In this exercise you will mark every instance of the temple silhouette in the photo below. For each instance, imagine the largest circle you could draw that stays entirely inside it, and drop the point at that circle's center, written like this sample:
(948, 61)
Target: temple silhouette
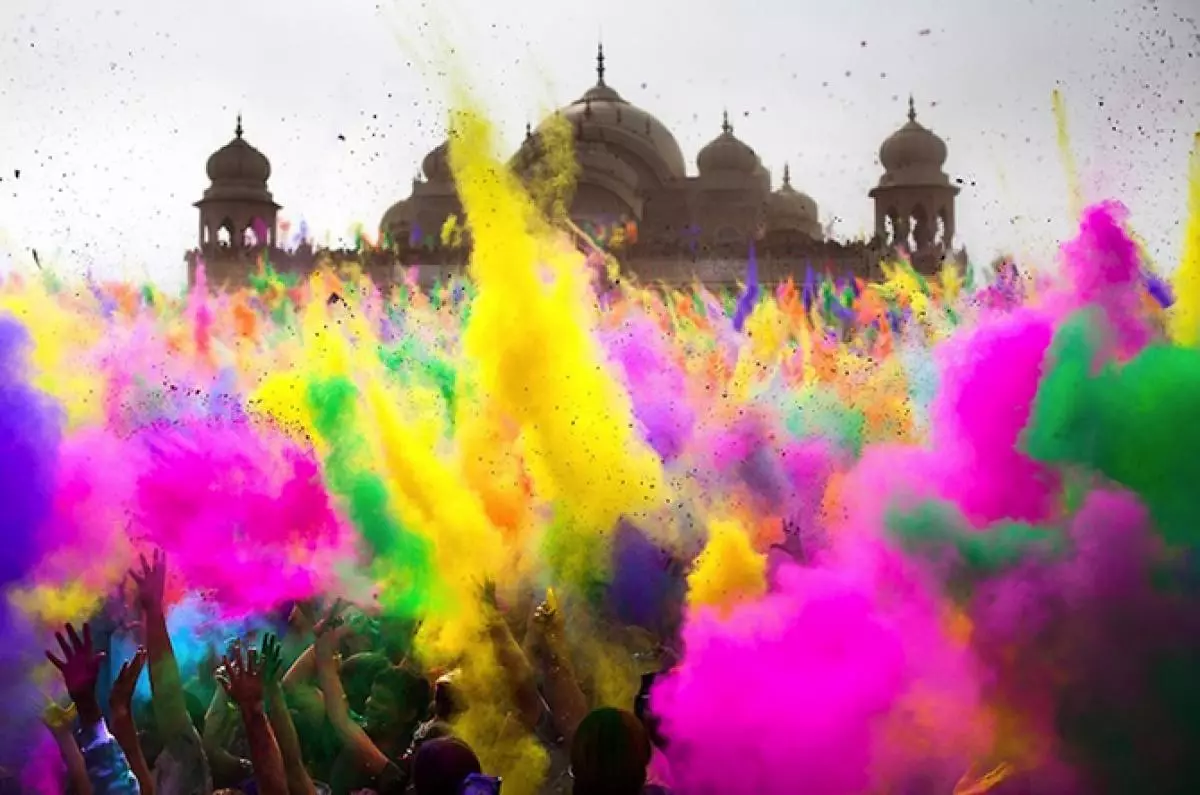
(633, 192)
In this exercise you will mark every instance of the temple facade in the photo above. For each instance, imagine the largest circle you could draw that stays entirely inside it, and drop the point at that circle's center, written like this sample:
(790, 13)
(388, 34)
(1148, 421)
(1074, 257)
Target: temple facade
(671, 226)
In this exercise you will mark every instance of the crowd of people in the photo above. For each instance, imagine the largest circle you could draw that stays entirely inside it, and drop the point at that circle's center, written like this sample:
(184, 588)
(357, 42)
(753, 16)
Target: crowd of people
(338, 716)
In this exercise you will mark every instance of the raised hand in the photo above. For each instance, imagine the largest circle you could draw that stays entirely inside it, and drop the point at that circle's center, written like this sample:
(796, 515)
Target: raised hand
(80, 664)
(332, 620)
(242, 678)
(272, 660)
(80, 668)
(120, 698)
(151, 581)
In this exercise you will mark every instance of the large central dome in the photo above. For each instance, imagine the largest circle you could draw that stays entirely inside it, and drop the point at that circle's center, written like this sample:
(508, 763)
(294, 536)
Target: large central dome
(603, 116)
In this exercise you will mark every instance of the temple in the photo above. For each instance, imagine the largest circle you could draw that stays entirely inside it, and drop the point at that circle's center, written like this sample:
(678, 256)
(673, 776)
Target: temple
(633, 194)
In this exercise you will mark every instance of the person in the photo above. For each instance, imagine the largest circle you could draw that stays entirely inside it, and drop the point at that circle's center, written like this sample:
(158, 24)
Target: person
(609, 754)
(397, 701)
(107, 768)
(242, 680)
(658, 772)
(181, 768)
(441, 766)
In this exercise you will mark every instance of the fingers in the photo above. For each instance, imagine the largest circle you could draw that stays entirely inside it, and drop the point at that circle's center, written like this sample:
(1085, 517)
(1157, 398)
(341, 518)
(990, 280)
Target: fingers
(138, 662)
(252, 668)
(76, 641)
(145, 566)
(57, 663)
(67, 651)
(87, 639)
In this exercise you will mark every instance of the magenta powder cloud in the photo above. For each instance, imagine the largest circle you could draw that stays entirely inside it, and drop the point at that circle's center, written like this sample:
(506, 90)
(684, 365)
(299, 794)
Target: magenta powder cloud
(795, 692)
(241, 512)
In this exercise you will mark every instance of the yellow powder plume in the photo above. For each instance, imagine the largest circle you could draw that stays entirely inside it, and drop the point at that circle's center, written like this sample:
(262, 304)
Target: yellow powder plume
(530, 337)
(1067, 154)
(1184, 317)
(729, 571)
(767, 331)
(58, 334)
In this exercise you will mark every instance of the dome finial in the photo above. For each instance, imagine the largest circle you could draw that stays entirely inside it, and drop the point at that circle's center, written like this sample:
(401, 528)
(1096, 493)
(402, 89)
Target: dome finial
(600, 63)
(238, 130)
(912, 110)
(787, 175)
(528, 130)
(726, 127)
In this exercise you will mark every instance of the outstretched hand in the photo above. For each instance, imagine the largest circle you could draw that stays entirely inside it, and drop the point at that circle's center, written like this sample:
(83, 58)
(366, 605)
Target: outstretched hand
(242, 677)
(80, 668)
(151, 581)
(272, 660)
(120, 698)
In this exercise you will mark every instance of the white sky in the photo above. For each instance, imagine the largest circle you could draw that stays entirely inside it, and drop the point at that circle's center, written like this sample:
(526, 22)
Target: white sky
(109, 109)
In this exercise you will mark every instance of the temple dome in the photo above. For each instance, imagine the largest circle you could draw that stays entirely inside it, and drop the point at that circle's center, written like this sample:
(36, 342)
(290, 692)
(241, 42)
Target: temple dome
(791, 210)
(604, 116)
(436, 165)
(238, 161)
(397, 215)
(913, 153)
(727, 153)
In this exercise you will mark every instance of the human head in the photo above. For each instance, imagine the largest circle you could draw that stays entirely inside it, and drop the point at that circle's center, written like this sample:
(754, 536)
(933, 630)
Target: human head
(447, 700)
(398, 699)
(641, 708)
(440, 766)
(609, 754)
(358, 674)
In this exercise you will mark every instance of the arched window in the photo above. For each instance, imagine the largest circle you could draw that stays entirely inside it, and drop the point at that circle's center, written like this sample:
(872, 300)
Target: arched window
(225, 233)
(250, 237)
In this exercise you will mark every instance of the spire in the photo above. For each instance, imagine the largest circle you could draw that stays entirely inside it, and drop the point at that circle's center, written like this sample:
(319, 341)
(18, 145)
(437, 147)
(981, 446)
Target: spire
(600, 64)
(912, 111)
(238, 130)
(528, 130)
(787, 175)
(726, 127)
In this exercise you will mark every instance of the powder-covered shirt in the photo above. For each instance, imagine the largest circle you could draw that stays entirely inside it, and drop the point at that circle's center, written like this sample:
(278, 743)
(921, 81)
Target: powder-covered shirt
(182, 767)
(107, 767)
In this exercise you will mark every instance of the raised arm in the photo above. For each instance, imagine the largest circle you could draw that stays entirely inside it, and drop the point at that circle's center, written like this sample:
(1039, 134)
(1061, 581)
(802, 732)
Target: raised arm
(567, 702)
(107, 768)
(58, 721)
(298, 780)
(243, 683)
(166, 685)
(512, 661)
(120, 709)
(336, 708)
(220, 723)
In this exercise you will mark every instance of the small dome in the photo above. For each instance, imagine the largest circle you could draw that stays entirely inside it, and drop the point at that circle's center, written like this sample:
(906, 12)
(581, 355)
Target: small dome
(727, 153)
(792, 210)
(436, 165)
(238, 161)
(913, 149)
(396, 216)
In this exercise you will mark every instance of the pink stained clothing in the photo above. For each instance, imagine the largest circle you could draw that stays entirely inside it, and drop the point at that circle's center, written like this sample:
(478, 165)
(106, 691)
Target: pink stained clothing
(658, 772)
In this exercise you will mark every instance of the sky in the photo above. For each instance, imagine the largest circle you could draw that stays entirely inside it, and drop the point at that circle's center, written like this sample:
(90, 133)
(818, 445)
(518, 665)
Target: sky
(109, 110)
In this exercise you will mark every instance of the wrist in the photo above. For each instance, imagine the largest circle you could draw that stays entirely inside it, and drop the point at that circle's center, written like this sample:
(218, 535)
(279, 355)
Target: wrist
(252, 708)
(89, 709)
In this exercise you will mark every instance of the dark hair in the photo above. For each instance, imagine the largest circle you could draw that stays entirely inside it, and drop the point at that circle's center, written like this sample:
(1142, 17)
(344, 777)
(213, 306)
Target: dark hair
(411, 690)
(358, 673)
(610, 753)
(440, 766)
(447, 700)
(641, 708)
